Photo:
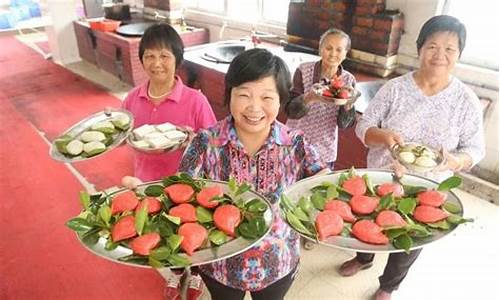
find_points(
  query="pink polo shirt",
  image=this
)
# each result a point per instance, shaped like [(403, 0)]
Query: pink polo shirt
[(184, 106)]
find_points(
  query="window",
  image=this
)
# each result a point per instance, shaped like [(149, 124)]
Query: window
[(481, 19), (251, 11)]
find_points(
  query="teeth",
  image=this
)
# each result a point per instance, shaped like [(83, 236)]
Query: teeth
[(255, 119)]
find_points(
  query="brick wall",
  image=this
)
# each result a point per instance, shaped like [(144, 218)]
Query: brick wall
[(372, 28)]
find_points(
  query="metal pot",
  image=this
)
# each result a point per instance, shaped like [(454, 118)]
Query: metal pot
[(117, 11)]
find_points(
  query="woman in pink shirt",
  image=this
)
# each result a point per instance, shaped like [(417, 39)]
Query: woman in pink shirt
[(164, 98)]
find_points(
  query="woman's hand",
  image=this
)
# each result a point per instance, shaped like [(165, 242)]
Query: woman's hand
[(399, 169), (375, 136), (311, 97), (131, 182), (453, 162), (190, 135)]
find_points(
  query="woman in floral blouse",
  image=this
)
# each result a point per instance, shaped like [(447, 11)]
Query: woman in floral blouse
[(252, 146), (428, 106)]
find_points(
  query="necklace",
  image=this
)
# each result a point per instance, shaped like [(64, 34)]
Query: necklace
[(156, 97)]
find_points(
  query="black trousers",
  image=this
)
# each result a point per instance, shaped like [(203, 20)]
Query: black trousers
[(395, 270), (275, 291)]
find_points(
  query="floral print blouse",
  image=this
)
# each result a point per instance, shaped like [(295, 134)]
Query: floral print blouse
[(285, 158)]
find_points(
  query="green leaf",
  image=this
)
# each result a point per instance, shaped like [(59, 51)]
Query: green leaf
[(177, 260), (394, 232), (242, 188), (297, 224), (259, 224), (174, 241), (85, 199), (411, 190), (173, 219), (285, 203), (417, 230), (331, 192), (456, 219), (342, 177), (154, 190), (450, 183), (203, 215), (245, 230), (299, 213), (256, 206), (369, 184), (217, 237), (79, 225), (91, 237), (140, 219), (160, 253), (407, 205), (444, 225), (165, 227), (352, 172), (386, 202), (346, 231), (105, 214), (403, 242), (154, 262), (318, 200), (452, 207), (109, 246), (232, 185), (305, 205)]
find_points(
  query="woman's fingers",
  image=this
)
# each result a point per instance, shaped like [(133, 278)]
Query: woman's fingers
[(131, 182), (399, 169)]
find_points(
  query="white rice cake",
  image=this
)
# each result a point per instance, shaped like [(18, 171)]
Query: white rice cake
[(142, 131), (160, 142), (92, 136), (141, 144), (175, 135), (153, 135), (165, 127)]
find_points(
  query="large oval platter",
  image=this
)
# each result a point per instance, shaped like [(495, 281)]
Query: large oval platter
[(75, 131), (210, 253), (303, 189)]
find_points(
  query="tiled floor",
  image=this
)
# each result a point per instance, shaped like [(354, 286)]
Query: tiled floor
[(463, 265)]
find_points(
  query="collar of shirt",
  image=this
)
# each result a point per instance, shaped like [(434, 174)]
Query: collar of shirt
[(279, 134), (174, 95), (317, 71)]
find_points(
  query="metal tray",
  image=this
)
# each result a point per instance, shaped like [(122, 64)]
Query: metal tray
[(396, 149), (301, 188), (85, 124), (318, 89), (199, 257)]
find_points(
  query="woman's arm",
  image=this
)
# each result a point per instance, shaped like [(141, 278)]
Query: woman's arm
[(193, 159)]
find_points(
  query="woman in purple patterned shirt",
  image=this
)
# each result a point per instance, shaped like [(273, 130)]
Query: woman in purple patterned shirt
[(427, 106), (307, 111), (252, 146)]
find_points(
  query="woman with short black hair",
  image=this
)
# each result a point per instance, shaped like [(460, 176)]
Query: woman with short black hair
[(251, 146), (428, 106)]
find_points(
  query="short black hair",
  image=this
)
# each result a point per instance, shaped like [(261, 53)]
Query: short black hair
[(255, 64), (442, 23), (162, 35)]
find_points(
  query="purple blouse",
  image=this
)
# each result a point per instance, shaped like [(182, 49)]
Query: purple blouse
[(320, 122), (285, 158), (452, 119)]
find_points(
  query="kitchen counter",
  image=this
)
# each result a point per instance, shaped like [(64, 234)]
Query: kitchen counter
[(118, 54)]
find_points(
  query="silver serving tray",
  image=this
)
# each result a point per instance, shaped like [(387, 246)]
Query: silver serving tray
[(378, 176), (199, 257), (84, 124), (396, 149)]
